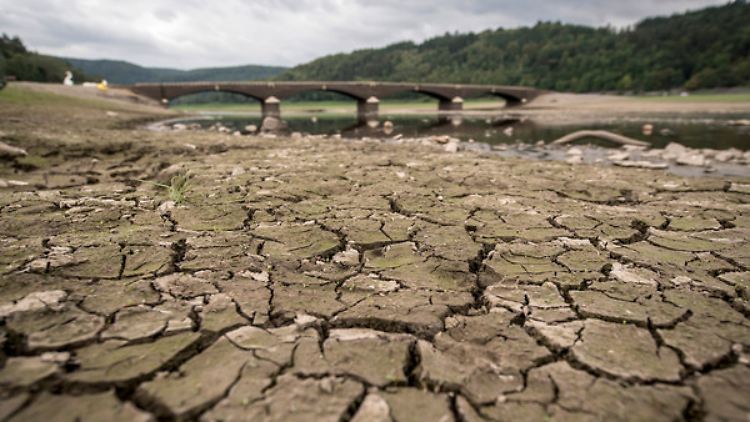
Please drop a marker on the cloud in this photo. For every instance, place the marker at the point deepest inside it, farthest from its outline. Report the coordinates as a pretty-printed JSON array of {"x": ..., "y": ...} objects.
[{"x": 190, "y": 33}]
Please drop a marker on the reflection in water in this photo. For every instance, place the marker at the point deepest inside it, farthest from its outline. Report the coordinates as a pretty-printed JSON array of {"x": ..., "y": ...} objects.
[{"x": 498, "y": 129}]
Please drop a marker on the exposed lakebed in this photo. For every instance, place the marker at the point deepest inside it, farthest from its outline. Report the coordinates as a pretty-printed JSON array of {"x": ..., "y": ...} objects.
[{"x": 714, "y": 144}]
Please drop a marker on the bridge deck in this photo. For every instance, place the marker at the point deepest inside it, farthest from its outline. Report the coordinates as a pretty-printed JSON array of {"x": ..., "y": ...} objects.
[{"x": 366, "y": 93}]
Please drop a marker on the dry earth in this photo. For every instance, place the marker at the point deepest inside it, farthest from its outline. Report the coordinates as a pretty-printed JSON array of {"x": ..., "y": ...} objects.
[{"x": 320, "y": 279}]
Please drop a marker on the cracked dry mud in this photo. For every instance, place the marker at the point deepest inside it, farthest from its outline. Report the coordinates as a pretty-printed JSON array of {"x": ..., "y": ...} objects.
[{"x": 317, "y": 279}]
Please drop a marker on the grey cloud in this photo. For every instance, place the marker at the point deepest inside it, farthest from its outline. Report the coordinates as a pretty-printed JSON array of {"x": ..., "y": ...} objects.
[{"x": 190, "y": 33}]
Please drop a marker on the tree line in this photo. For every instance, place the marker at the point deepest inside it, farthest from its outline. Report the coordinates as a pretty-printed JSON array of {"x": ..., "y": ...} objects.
[
  {"x": 24, "y": 65},
  {"x": 709, "y": 48}
]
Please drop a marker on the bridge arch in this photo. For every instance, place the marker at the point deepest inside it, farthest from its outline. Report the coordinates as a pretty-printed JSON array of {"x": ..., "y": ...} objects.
[
  {"x": 432, "y": 94},
  {"x": 510, "y": 100},
  {"x": 169, "y": 96},
  {"x": 367, "y": 94}
]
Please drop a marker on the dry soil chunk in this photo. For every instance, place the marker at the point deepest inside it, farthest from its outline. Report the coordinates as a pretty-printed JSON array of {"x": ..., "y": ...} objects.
[
  {"x": 725, "y": 394},
  {"x": 410, "y": 404},
  {"x": 297, "y": 241},
  {"x": 416, "y": 312},
  {"x": 255, "y": 378},
  {"x": 115, "y": 362},
  {"x": 626, "y": 351},
  {"x": 198, "y": 383},
  {"x": 378, "y": 358},
  {"x": 26, "y": 371},
  {"x": 293, "y": 399},
  {"x": 49, "y": 329},
  {"x": 94, "y": 407}
]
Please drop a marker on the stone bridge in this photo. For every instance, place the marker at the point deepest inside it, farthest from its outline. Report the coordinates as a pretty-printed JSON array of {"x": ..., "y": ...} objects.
[{"x": 367, "y": 94}]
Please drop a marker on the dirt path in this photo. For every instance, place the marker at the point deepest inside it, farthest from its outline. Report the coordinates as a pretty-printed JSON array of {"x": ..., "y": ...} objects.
[{"x": 320, "y": 279}]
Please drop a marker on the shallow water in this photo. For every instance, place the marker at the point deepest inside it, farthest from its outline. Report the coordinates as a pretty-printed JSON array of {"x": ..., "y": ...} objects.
[{"x": 703, "y": 131}]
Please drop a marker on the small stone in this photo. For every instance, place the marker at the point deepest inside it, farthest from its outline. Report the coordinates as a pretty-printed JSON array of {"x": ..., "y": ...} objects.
[
  {"x": 694, "y": 159},
  {"x": 642, "y": 164}
]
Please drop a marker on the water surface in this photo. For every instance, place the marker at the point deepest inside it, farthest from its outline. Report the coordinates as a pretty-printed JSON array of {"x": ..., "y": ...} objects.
[{"x": 703, "y": 131}]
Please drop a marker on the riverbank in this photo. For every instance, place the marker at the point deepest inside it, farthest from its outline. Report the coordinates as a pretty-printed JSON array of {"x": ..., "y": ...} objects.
[
  {"x": 339, "y": 278},
  {"x": 550, "y": 104}
]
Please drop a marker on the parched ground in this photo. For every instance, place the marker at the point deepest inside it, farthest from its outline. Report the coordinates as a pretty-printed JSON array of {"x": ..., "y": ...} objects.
[{"x": 319, "y": 279}]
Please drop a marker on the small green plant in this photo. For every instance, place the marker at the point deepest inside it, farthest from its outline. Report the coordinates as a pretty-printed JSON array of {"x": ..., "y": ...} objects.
[{"x": 177, "y": 187}]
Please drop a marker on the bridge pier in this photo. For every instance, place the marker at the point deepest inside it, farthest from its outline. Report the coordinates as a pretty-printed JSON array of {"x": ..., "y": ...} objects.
[
  {"x": 454, "y": 104},
  {"x": 271, "y": 107},
  {"x": 368, "y": 109}
]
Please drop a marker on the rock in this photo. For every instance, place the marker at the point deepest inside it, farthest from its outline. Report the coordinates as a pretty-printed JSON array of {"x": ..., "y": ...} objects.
[
  {"x": 9, "y": 151},
  {"x": 740, "y": 188},
  {"x": 642, "y": 164},
  {"x": 647, "y": 129},
  {"x": 251, "y": 128},
  {"x": 666, "y": 132},
  {"x": 166, "y": 206},
  {"x": 619, "y": 156},
  {"x": 373, "y": 409},
  {"x": 673, "y": 150},
  {"x": 629, "y": 274},
  {"x": 347, "y": 258},
  {"x": 727, "y": 155},
  {"x": 34, "y": 302},
  {"x": 692, "y": 159},
  {"x": 373, "y": 284},
  {"x": 272, "y": 124},
  {"x": 451, "y": 147}
]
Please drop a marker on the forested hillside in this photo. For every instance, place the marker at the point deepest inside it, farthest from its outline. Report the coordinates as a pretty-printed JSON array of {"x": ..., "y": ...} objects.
[
  {"x": 25, "y": 65},
  {"x": 127, "y": 73},
  {"x": 701, "y": 49},
  {"x": 707, "y": 48}
]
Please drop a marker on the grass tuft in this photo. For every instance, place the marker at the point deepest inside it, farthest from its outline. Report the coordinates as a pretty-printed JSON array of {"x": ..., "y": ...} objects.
[{"x": 177, "y": 187}]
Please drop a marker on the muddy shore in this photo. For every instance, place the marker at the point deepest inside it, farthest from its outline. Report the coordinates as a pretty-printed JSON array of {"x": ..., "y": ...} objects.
[{"x": 313, "y": 278}]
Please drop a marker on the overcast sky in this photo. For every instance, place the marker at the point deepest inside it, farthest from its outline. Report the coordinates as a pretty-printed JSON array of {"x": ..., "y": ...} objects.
[{"x": 193, "y": 33}]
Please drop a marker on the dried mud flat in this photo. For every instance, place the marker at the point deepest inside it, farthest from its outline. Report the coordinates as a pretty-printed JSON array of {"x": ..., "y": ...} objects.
[{"x": 319, "y": 279}]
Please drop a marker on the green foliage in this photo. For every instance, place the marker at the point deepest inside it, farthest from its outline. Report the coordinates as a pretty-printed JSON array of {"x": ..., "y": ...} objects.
[
  {"x": 121, "y": 72},
  {"x": 177, "y": 187},
  {"x": 24, "y": 65},
  {"x": 703, "y": 49}
]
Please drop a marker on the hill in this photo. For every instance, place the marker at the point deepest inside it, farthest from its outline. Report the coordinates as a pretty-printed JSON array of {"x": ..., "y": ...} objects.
[
  {"x": 700, "y": 49},
  {"x": 18, "y": 62},
  {"x": 122, "y": 72}
]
